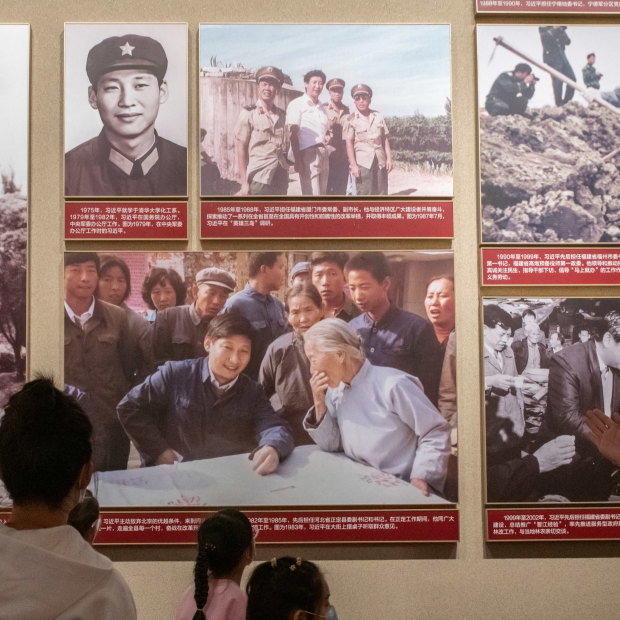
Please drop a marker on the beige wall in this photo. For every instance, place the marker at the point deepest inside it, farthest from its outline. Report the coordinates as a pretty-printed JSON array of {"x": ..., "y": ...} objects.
[{"x": 466, "y": 580}]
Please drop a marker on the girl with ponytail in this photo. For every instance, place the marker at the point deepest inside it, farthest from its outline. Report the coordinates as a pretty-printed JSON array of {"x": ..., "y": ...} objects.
[{"x": 225, "y": 548}]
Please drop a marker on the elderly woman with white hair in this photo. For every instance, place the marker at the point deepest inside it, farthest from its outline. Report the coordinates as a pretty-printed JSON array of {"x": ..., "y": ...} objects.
[{"x": 377, "y": 415}]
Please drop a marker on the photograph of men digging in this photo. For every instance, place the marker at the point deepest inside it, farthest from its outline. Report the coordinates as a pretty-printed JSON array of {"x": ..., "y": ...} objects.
[{"x": 549, "y": 140}]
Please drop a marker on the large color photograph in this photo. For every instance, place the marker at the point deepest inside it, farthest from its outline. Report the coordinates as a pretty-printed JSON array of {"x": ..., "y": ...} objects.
[
  {"x": 266, "y": 379},
  {"x": 316, "y": 110},
  {"x": 14, "y": 75},
  {"x": 125, "y": 110},
  {"x": 552, "y": 399},
  {"x": 549, "y": 105}
]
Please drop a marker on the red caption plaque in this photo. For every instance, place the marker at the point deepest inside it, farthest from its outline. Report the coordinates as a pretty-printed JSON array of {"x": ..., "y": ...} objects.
[
  {"x": 553, "y": 524},
  {"x": 325, "y": 219},
  {"x": 297, "y": 526},
  {"x": 550, "y": 266},
  {"x": 548, "y": 6},
  {"x": 125, "y": 220}
]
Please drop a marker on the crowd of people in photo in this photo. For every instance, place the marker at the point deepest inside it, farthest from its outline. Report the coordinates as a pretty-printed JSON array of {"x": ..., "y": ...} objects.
[
  {"x": 237, "y": 371},
  {"x": 49, "y": 569},
  {"x": 551, "y": 399}
]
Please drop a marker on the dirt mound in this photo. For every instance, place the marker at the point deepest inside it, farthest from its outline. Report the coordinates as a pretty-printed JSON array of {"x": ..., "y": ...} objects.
[{"x": 544, "y": 177}]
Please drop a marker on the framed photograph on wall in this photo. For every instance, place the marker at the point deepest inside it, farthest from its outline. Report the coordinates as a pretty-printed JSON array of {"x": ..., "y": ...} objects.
[
  {"x": 198, "y": 373},
  {"x": 548, "y": 364},
  {"x": 280, "y": 102},
  {"x": 126, "y": 110},
  {"x": 549, "y": 120},
  {"x": 15, "y": 75}
]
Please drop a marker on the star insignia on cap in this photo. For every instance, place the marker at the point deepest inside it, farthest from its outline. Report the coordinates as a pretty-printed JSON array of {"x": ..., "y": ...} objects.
[{"x": 127, "y": 49}]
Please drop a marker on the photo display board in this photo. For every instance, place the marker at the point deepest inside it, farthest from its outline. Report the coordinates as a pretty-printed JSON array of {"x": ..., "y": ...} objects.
[
  {"x": 298, "y": 145},
  {"x": 550, "y": 7},
  {"x": 549, "y": 121},
  {"x": 169, "y": 446},
  {"x": 310, "y": 118},
  {"x": 14, "y": 70},
  {"x": 551, "y": 385},
  {"x": 126, "y": 120}
]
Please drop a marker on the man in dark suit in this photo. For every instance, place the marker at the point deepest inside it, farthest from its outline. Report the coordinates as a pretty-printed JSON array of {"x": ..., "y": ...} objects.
[
  {"x": 530, "y": 352},
  {"x": 511, "y": 475},
  {"x": 582, "y": 377},
  {"x": 576, "y": 377}
]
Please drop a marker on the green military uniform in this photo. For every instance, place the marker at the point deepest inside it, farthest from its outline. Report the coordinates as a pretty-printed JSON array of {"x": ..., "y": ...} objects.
[
  {"x": 368, "y": 134},
  {"x": 266, "y": 136},
  {"x": 591, "y": 77},
  {"x": 508, "y": 95},
  {"x": 338, "y": 161},
  {"x": 554, "y": 41}
]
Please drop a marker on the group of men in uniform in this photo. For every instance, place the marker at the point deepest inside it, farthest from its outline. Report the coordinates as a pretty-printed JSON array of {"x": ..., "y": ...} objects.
[{"x": 325, "y": 142}]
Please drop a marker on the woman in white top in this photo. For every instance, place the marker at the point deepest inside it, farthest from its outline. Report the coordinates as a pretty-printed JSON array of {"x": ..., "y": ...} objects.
[
  {"x": 47, "y": 570},
  {"x": 377, "y": 415}
]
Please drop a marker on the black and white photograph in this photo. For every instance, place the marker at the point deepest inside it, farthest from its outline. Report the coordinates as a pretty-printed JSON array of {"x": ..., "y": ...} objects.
[
  {"x": 14, "y": 70},
  {"x": 549, "y": 106},
  {"x": 552, "y": 399},
  {"x": 126, "y": 110},
  {"x": 235, "y": 378},
  {"x": 325, "y": 110}
]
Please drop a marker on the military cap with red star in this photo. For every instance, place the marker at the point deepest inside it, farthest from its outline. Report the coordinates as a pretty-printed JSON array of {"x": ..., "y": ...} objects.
[
  {"x": 361, "y": 88},
  {"x": 130, "y": 51}
]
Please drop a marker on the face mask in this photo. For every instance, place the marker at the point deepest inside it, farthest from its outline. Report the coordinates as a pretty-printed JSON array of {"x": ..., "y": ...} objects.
[{"x": 330, "y": 615}]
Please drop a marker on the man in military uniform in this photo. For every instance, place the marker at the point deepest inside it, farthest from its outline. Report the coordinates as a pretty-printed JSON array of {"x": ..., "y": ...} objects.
[
  {"x": 511, "y": 91},
  {"x": 128, "y": 157},
  {"x": 262, "y": 140},
  {"x": 337, "y": 114},
  {"x": 591, "y": 77},
  {"x": 554, "y": 41},
  {"x": 368, "y": 147}
]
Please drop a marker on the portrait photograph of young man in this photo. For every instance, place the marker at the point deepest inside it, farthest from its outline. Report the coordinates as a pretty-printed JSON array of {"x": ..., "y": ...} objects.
[{"x": 126, "y": 110}]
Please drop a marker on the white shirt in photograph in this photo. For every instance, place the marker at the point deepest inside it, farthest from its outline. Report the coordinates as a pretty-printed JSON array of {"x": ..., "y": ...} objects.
[{"x": 311, "y": 118}]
